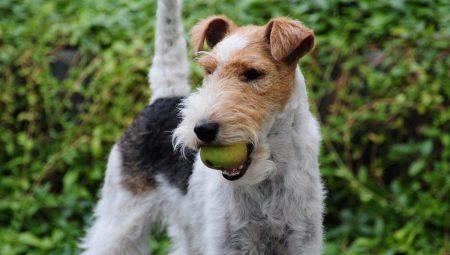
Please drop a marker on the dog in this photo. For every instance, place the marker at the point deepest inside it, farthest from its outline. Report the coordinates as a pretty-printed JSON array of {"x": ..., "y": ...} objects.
[{"x": 253, "y": 92}]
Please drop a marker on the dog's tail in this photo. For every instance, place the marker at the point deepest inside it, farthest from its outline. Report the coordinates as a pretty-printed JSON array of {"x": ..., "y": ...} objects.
[{"x": 169, "y": 73}]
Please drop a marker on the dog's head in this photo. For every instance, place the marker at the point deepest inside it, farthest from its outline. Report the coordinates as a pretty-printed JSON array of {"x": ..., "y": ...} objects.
[{"x": 249, "y": 79}]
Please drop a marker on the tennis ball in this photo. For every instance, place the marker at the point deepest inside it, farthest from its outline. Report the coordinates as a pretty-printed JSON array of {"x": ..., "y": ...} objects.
[{"x": 220, "y": 157}]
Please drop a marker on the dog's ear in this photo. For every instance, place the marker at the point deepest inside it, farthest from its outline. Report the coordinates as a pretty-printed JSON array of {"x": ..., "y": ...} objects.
[
  {"x": 289, "y": 39},
  {"x": 212, "y": 29}
]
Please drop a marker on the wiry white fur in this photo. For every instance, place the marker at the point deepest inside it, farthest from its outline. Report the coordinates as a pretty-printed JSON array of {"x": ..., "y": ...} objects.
[
  {"x": 169, "y": 74},
  {"x": 199, "y": 102},
  {"x": 225, "y": 48}
]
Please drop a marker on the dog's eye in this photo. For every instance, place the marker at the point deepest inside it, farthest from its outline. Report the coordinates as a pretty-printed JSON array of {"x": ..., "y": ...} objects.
[{"x": 252, "y": 74}]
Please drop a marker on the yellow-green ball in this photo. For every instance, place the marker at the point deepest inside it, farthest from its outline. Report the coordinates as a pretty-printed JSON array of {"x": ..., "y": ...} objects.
[{"x": 220, "y": 157}]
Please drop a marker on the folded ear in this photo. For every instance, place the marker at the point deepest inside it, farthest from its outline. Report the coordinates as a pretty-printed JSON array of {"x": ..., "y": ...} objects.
[
  {"x": 289, "y": 39},
  {"x": 212, "y": 29}
]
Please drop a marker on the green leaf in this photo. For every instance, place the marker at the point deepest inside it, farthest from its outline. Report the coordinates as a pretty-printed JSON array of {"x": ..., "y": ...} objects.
[{"x": 416, "y": 167}]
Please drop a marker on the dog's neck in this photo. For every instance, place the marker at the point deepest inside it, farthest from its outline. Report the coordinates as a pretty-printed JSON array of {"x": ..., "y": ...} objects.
[
  {"x": 297, "y": 106},
  {"x": 287, "y": 121},
  {"x": 298, "y": 103},
  {"x": 283, "y": 137}
]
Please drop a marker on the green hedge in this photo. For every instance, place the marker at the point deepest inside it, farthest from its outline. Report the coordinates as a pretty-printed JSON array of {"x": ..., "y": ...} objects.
[{"x": 73, "y": 76}]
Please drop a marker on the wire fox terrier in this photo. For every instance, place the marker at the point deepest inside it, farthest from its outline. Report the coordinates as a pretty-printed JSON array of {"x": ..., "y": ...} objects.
[{"x": 253, "y": 92}]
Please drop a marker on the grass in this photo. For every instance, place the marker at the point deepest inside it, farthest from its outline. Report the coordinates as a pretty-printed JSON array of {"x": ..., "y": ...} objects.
[{"x": 73, "y": 77}]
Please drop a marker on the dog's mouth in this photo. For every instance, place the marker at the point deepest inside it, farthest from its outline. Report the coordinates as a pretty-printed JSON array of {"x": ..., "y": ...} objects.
[{"x": 236, "y": 173}]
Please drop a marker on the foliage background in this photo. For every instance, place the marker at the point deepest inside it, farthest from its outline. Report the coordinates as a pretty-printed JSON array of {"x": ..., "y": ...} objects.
[{"x": 73, "y": 76}]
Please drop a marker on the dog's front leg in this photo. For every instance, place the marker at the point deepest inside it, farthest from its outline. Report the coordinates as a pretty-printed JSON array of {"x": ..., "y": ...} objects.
[{"x": 306, "y": 240}]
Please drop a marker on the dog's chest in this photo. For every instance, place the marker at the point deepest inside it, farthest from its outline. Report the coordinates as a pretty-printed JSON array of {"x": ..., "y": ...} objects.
[
  {"x": 259, "y": 237},
  {"x": 258, "y": 225}
]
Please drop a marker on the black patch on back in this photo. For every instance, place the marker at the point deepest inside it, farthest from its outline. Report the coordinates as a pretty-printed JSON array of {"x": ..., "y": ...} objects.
[{"x": 147, "y": 151}]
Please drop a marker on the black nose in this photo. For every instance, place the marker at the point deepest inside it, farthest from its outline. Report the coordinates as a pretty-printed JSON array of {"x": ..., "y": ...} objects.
[{"x": 207, "y": 131}]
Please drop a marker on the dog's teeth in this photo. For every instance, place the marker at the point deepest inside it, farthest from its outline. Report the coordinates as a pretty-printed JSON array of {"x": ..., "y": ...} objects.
[
  {"x": 231, "y": 172},
  {"x": 241, "y": 166}
]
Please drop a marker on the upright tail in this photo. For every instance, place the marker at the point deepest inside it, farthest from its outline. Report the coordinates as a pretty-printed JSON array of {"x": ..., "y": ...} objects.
[{"x": 169, "y": 73}]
